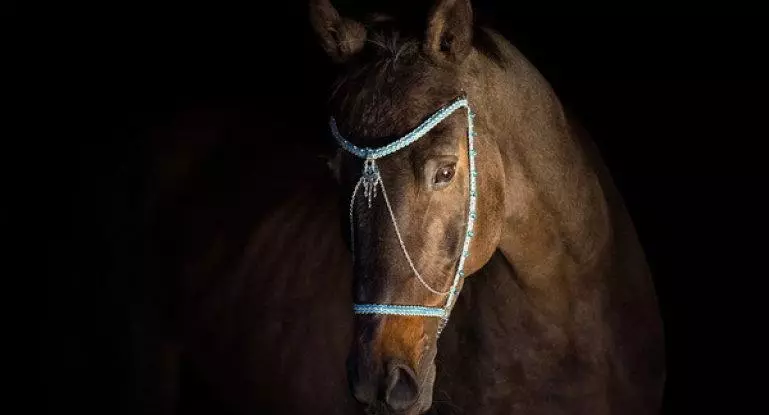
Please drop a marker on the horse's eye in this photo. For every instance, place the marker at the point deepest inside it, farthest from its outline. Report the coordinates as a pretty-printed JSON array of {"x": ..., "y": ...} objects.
[{"x": 444, "y": 174}]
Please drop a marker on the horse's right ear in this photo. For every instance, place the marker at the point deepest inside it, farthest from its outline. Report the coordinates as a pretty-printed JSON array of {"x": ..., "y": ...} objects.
[
  {"x": 449, "y": 33},
  {"x": 339, "y": 37}
]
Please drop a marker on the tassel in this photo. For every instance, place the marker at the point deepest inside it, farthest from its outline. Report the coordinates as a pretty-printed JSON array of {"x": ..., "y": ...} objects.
[{"x": 370, "y": 180}]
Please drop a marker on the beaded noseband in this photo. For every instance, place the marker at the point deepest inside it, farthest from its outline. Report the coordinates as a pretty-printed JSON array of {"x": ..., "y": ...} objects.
[{"x": 371, "y": 178}]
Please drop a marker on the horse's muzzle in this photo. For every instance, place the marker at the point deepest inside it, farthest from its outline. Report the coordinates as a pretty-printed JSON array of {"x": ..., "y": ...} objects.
[
  {"x": 392, "y": 376},
  {"x": 396, "y": 386}
]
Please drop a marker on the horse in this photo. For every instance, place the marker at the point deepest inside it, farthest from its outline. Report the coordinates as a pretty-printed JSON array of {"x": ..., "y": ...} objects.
[
  {"x": 460, "y": 167},
  {"x": 254, "y": 307}
]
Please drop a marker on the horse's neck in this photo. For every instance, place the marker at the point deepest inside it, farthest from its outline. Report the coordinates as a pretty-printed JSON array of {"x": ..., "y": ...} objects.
[
  {"x": 556, "y": 225},
  {"x": 573, "y": 252},
  {"x": 557, "y": 229}
]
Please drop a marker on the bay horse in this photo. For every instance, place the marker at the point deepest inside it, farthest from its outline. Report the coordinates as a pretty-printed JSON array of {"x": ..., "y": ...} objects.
[
  {"x": 555, "y": 311},
  {"x": 483, "y": 181}
]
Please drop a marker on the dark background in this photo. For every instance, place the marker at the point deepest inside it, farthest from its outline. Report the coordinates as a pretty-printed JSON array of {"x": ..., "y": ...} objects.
[{"x": 674, "y": 96}]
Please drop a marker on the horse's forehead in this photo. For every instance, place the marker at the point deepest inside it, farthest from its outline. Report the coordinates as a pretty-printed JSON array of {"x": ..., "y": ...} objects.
[
  {"x": 391, "y": 104},
  {"x": 390, "y": 118}
]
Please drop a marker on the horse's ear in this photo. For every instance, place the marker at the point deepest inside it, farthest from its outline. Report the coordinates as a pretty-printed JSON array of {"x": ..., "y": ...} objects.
[
  {"x": 449, "y": 31},
  {"x": 339, "y": 37}
]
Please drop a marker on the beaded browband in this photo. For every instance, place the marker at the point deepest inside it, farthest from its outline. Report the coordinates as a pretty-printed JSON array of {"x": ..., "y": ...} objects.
[{"x": 371, "y": 178}]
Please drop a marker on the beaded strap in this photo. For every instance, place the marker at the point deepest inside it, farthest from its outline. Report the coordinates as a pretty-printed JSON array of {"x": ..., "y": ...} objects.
[
  {"x": 400, "y": 310},
  {"x": 414, "y": 135}
]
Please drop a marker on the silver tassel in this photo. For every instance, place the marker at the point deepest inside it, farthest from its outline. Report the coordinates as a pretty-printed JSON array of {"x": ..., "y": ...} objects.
[{"x": 370, "y": 180}]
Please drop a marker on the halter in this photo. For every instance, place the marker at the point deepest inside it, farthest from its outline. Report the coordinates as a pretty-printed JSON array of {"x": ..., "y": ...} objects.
[{"x": 371, "y": 178}]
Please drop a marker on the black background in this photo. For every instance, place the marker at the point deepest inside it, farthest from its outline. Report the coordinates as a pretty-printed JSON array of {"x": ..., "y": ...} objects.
[{"x": 673, "y": 94}]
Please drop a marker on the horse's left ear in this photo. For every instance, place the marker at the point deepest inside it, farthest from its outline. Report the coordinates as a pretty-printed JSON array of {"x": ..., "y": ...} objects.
[{"x": 449, "y": 34}]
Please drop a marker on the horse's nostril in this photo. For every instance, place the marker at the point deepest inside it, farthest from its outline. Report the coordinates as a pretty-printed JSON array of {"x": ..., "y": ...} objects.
[{"x": 402, "y": 387}]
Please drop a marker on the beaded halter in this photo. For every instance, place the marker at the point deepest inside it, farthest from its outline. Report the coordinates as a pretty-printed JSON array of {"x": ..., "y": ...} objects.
[{"x": 371, "y": 178}]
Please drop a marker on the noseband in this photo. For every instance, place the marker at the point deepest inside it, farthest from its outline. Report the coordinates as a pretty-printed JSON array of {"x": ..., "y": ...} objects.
[{"x": 371, "y": 178}]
